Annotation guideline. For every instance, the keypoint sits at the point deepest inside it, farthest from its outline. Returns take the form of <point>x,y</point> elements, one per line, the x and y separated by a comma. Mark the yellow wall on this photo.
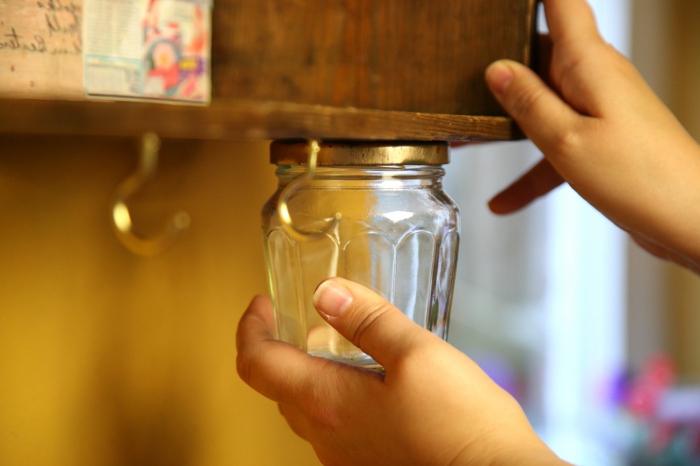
<point>111,359</point>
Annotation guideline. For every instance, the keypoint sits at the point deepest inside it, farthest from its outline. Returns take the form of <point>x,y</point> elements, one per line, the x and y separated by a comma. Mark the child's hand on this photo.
<point>433,406</point>
<point>603,131</point>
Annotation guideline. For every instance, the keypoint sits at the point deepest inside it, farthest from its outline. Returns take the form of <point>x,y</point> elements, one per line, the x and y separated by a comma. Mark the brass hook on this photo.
<point>121,217</point>
<point>291,189</point>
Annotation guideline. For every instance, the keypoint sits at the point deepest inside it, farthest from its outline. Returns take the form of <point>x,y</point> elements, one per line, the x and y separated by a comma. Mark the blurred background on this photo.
<point>107,358</point>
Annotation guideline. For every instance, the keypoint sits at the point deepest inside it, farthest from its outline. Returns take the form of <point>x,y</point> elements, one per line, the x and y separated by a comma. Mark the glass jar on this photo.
<point>395,231</point>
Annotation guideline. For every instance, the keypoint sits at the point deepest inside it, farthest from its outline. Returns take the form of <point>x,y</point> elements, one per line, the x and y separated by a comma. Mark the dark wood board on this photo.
<point>424,56</point>
<point>243,119</point>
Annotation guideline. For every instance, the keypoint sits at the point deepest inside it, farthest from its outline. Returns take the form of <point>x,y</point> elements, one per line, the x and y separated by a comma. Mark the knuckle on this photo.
<point>621,65</point>
<point>416,357</point>
<point>321,412</point>
<point>579,59</point>
<point>327,457</point>
<point>285,412</point>
<point>318,399</point>
<point>524,99</point>
<point>566,73</point>
<point>243,366</point>
<point>370,319</point>
<point>566,141</point>
<point>246,363</point>
<point>324,418</point>
<point>294,421</point>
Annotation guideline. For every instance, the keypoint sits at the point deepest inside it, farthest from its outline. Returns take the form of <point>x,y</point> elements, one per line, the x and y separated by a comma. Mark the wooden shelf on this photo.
<point>244,119</point>
<point>389,70</point>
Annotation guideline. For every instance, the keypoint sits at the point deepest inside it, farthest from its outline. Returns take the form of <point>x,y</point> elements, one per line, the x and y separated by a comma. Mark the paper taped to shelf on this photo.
<point>148,49</point>
<point>40,48</point>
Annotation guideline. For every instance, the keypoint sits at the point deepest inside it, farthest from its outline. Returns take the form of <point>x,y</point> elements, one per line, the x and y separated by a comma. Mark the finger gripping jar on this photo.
<point>377,215</point>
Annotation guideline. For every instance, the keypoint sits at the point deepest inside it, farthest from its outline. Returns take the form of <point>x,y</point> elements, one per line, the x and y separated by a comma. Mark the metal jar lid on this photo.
<point>352,153</point>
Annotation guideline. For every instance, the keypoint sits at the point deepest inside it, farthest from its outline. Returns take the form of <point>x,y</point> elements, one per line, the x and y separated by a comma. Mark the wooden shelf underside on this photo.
<point>244,119</point>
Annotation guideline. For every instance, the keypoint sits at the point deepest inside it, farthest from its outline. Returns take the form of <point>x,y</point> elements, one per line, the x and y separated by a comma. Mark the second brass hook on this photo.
<point>295,185</point>
<point>121,216</point>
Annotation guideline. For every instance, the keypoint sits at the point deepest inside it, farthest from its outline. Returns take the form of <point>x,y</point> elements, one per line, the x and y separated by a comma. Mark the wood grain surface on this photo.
<point>344,69</point>
<point>408,55</point>
<point>244,119</point>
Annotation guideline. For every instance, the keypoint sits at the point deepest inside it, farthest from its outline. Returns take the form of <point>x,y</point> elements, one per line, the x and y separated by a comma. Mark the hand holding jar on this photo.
<point>602,130</point>
<point>432,406</point>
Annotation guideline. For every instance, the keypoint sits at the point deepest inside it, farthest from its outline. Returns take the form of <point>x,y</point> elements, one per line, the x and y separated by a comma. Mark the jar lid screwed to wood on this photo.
<point>353,153</point>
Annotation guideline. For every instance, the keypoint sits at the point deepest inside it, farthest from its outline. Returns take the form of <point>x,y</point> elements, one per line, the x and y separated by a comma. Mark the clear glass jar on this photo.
<point>397,233</point>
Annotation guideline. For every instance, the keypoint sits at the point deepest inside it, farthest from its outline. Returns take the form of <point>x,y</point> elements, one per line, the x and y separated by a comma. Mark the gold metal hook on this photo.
<point>121,217</point>
<point>291,189</point>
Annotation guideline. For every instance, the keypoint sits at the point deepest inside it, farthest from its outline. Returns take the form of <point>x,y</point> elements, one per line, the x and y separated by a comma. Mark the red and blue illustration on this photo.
<point>176,50</point>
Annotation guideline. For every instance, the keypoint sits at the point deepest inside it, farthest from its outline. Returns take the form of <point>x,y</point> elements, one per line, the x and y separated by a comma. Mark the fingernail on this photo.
<point>499,76</point>
<point>332,299</point>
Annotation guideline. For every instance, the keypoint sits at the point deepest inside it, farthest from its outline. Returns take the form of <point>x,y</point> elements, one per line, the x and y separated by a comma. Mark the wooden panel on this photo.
<point>409,55</point>
<point>244,120</point>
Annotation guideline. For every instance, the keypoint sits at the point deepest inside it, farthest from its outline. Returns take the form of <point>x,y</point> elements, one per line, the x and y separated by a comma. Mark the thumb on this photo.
<point>367,320</point>
<point>539,111</point>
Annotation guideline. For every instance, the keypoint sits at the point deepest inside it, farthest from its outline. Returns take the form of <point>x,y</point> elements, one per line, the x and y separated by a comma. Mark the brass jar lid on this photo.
<point>352,153</point>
